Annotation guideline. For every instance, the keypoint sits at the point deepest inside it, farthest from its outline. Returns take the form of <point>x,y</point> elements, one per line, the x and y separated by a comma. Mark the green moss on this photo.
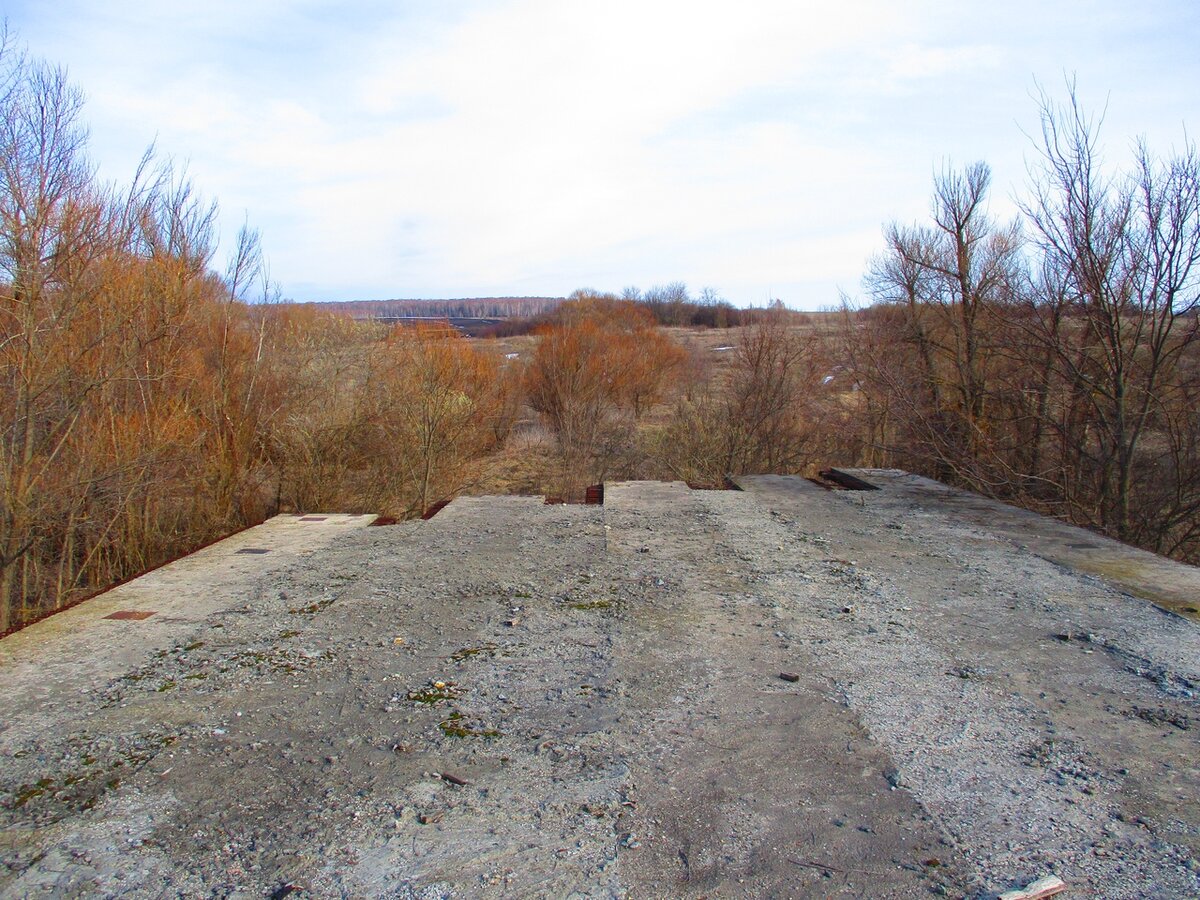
<point>434,694</point>
<point>195,645</point>
<point>27,792</point>
<point>468,652</point>
<point>1131,575</point>
<point>24,795</point>
<point>456,726</point>
<point>166,686</point>
<point>313,607</point>
<point>591,604</point>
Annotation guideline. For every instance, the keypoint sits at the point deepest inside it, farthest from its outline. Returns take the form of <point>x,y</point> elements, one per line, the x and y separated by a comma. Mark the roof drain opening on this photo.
<point>593,495</point>
<point>727,484</point>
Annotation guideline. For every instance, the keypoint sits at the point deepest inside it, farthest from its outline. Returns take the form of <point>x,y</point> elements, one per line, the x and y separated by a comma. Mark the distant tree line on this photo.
<point>668,305</point>
<point>468,308</point>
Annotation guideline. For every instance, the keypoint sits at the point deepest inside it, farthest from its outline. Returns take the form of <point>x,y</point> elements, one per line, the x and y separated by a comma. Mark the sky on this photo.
<point>473,148</point>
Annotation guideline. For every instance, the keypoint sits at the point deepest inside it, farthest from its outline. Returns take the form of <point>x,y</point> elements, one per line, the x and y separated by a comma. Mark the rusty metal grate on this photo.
<point>255,550</point>
<point>130,614</point>
<point>313,518</point>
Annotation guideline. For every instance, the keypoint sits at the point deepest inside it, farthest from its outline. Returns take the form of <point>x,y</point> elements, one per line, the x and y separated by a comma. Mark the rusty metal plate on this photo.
<point>133,614</point>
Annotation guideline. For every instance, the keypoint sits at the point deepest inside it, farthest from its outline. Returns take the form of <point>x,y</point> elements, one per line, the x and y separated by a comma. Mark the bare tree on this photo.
<point>763,419</point>
<point>946,279</point>
<point>1060,372</point>
<point>438,407</point>
<point>1124,249</point>
<point>47,214</point>
<point>593,376</point>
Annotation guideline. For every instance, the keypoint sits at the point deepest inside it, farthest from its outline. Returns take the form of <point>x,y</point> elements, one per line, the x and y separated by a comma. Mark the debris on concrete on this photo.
<point>1048,886</point>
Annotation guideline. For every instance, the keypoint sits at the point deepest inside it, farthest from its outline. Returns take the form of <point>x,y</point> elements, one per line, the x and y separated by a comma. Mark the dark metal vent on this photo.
<point>846,480</point>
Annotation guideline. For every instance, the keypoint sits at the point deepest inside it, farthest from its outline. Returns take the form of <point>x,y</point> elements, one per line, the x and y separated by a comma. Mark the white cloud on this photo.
<point>913,61</point>
<point>500,146</point>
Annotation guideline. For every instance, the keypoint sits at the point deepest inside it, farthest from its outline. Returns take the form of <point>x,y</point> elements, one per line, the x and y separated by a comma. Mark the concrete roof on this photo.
<point>514,699</point>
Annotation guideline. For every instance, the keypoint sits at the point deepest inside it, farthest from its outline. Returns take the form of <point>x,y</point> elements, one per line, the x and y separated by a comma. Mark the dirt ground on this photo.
<point>520,700</point>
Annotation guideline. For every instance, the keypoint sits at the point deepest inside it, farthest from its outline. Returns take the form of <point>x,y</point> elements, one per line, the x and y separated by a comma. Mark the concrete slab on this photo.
<point>992,673</point>
<point>779,483</point>
<point>1169,584</point>
<point>514,699</point>
<point>47,667</point>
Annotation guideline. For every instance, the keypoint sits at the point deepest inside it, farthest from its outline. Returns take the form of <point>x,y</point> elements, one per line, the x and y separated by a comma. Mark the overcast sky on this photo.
<point>457,148</point>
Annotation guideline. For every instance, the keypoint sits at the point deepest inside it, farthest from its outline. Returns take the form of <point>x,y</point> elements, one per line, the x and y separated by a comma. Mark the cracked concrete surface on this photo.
<point>514,699</point>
